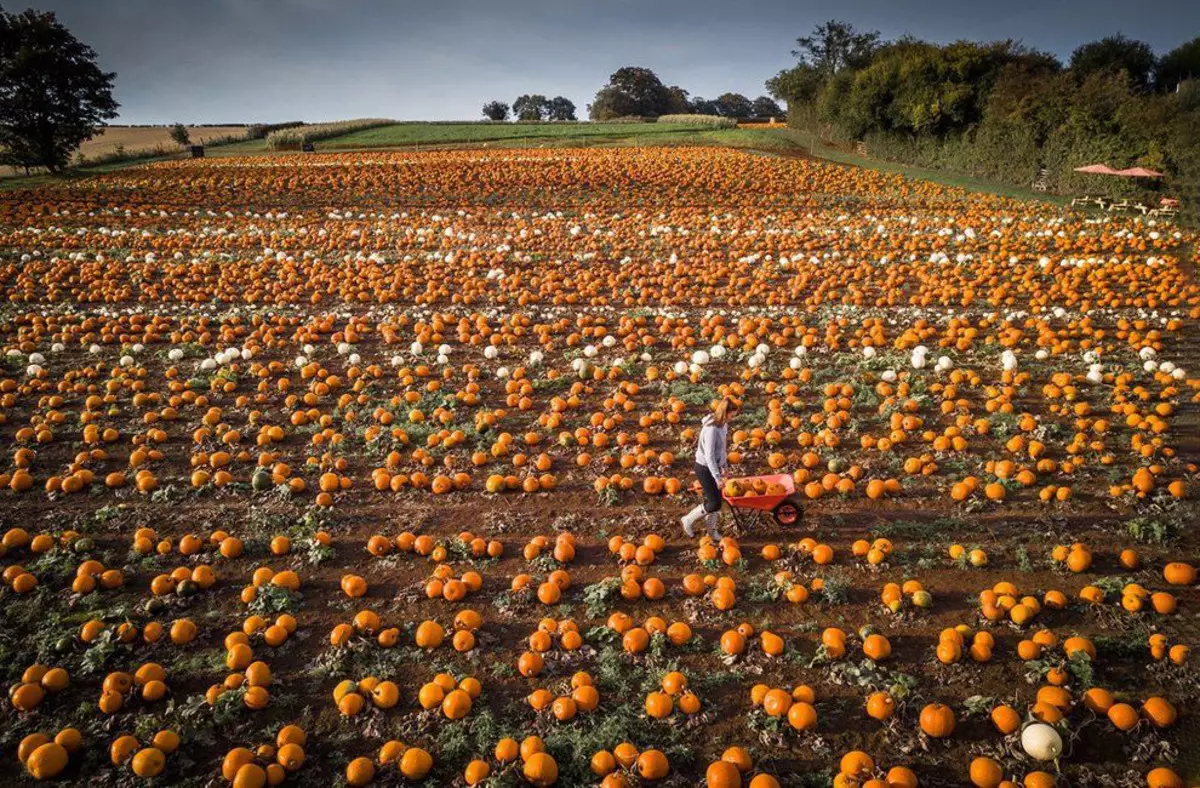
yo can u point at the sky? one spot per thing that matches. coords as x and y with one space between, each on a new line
241 61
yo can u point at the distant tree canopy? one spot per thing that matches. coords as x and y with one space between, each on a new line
734 105
678 102
530 107
999 109
698 105
637 91
560 108
1178 66
495 110
765 107
1113 54
534 107
53 96
835 46
631 90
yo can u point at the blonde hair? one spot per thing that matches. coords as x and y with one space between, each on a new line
724 409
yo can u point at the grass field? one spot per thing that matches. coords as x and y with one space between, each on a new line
471 133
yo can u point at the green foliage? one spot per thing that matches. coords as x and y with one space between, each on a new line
1178 65
835 46
916 88
631 90
800 84
1151 530
598 597
531 107
691 393
734 105
1113 55
765 107
560 108
495 110
273 600
1001 112
53 96
180 136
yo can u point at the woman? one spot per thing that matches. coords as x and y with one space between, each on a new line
711 458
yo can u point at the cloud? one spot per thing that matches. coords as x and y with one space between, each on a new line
228 60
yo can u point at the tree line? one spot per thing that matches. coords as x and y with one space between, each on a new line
634 91
531 108
638 91
1000 109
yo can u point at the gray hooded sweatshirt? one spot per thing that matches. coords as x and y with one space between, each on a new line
711 447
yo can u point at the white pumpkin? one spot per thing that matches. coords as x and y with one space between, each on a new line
1041 742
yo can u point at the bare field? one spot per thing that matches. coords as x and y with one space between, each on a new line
139 138
136 139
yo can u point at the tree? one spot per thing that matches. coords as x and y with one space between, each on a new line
765 107
495 110
180 136
530 107
916 88
836 45
1031 97
560 108
634 91
734 105
1179 65
702 106
799 84
1115 53
611 102
53 96
677 101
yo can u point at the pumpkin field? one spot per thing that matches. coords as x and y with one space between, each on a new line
366 468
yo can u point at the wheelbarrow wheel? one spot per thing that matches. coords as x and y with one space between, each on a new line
789 512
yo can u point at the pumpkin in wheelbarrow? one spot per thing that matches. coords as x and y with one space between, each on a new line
759 486
775 488
734 488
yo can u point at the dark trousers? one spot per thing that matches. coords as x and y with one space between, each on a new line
712 493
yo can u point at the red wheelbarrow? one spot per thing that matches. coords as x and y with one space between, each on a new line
785 507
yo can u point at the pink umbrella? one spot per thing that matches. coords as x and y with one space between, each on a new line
1097 169
1139 172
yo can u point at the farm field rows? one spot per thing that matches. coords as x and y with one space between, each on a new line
367 468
